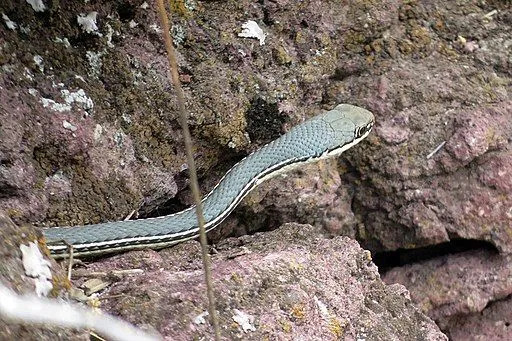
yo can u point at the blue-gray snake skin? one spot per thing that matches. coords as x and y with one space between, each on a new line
325 135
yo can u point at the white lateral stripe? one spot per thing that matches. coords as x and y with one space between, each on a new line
277 169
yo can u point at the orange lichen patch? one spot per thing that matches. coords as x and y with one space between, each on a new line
41 242
236 278
286 326
336 328
60 283
298 311
179 7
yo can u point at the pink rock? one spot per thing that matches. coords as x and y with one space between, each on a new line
293 282
456 285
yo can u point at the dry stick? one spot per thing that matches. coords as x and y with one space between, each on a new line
191 165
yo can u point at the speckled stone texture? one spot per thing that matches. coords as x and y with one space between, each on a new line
88 128
294 282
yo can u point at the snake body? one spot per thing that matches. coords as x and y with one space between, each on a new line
322 136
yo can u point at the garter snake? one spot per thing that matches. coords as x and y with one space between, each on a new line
326 135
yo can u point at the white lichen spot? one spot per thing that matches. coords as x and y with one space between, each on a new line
9 23
28 75
144 5
24 29
132 24
98 131
231 144
110 33
155 28
37 267
80 78
59 107
37 5
322 308
247 138
88 22
190 5
200 319
251 30
178 34
69 126
119 138
79 97
126 118
244 320
95 62
63 41
38 60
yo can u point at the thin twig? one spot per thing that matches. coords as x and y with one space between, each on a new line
70 264
191 165
129 216
432 153
112 272
32 309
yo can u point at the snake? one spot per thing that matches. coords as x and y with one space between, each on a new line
323 136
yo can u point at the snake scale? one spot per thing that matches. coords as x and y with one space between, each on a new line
326 135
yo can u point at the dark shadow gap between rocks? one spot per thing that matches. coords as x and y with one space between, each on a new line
387 260
183 198
491 303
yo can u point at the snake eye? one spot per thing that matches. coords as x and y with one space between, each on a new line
360 131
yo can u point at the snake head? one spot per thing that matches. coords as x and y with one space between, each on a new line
350 123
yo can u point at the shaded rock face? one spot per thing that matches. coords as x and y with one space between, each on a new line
293 283
88 128
467 294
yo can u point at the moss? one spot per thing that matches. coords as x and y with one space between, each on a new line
92 200
236 278
13 213
281 56
355 41
447 50
41 242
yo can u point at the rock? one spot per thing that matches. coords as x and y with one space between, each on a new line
492 323
313 194
411 201
13 275
291 283
120 151
452 286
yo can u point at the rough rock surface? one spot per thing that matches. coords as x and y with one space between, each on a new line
12 274
492 323
292 283
469 281
88 128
